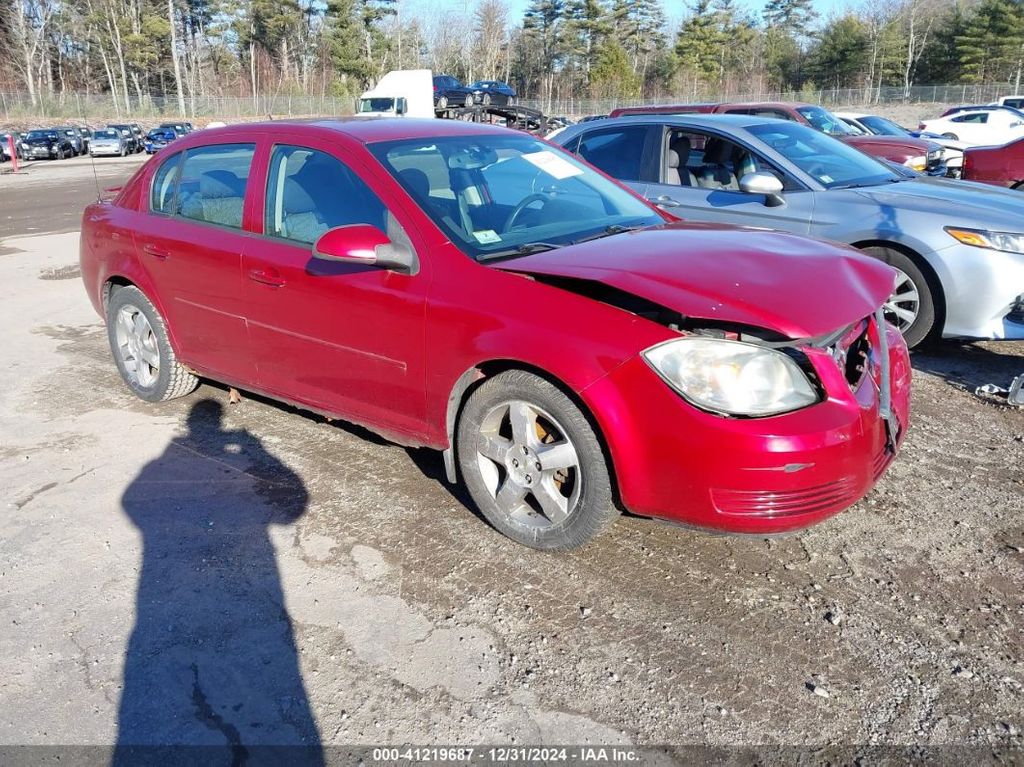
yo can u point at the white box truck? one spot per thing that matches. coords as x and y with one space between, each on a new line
400 93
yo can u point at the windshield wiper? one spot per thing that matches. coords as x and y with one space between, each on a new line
526 249
608 231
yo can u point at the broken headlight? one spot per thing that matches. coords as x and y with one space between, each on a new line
732 377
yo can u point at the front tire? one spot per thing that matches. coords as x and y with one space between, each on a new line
533 464
442 102
950 136
911 307
141 349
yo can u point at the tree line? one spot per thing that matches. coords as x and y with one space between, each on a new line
558 49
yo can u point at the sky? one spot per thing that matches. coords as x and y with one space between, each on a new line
675 10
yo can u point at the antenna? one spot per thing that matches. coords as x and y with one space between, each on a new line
95 175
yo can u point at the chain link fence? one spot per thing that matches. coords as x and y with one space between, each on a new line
94 107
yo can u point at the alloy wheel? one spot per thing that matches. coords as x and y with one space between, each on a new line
137 345
904 305
528 464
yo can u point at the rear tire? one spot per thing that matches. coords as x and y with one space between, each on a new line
533 464
911 282
442 102
141 349
486 99
950 136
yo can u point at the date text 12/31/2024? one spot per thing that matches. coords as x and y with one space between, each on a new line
507 754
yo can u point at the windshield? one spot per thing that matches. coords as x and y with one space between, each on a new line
825 121
42 134
380 104
831 163
494 194
160 135
105 134
882 127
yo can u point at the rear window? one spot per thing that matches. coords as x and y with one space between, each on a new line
212 184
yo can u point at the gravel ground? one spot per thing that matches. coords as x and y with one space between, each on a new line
209 573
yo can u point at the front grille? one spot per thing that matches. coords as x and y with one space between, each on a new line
832 496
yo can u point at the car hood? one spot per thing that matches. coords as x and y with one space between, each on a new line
879 144
959 203
797 286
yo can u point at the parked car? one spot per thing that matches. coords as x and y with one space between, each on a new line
74 134
48 144
476 290
86 134
1017 102
978 126
449 92
492 92
131 143
875 125
999 165
107 142
19 144
958 248
140 136
914 153
158 138
179 128
971 107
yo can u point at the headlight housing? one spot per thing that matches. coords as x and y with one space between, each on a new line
1007 242
732 377
918 163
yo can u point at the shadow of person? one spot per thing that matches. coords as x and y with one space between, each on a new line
211 662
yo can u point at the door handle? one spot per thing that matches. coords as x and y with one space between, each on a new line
155 251
269 277
664 201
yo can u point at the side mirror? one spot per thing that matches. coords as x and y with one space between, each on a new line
764 183
400 106
364 244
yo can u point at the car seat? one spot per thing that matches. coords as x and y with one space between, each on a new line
677 172
715 173
299 220
220 200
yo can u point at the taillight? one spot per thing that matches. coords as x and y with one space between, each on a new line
920 126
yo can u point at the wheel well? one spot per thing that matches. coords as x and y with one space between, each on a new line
114 283
934 284
469 381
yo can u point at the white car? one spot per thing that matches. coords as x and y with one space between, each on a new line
874 125
1017 102
975 127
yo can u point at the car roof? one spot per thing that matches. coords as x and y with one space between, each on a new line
691 118
364 129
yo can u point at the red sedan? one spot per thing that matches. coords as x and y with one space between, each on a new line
479 291
999 165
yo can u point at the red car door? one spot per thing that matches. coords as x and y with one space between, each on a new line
191 243
344 338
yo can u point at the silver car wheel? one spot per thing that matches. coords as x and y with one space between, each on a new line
137 345
528 464
903 306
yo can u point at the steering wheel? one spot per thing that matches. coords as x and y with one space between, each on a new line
523 204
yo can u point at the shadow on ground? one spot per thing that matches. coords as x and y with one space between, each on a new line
969 365
211 662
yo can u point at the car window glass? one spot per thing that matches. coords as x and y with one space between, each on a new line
619 153
976 117
212 186
162 195
713 162
309 192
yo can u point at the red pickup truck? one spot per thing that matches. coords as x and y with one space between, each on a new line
999 165
918 154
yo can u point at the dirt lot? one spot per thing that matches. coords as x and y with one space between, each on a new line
243 574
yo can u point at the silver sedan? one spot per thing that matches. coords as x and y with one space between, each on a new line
107 142
957 247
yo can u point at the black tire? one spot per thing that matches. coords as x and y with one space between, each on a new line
173 379
924 325
442 102
950 136
594 507
486 99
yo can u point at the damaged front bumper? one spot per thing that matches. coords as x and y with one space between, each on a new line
760 475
